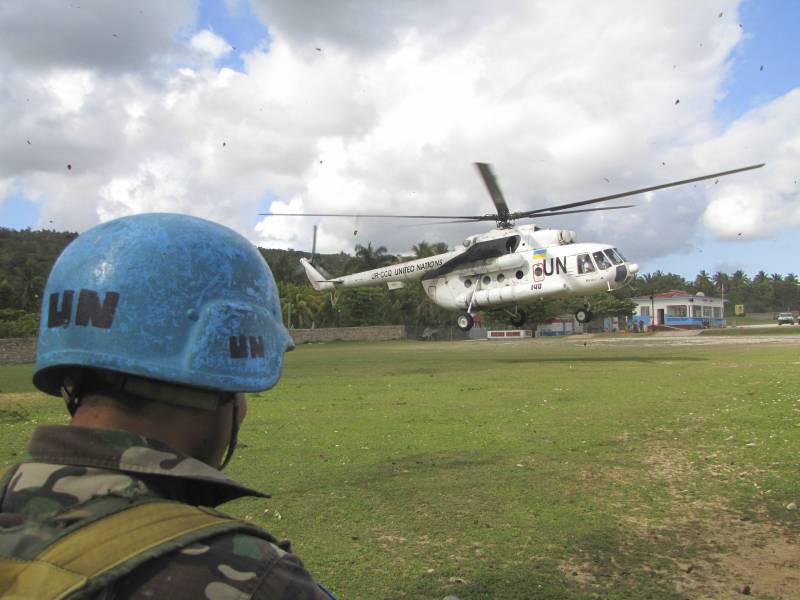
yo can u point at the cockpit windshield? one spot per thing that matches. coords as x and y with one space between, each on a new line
614 256
601 260
620 254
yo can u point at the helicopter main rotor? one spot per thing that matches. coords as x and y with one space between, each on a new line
504 217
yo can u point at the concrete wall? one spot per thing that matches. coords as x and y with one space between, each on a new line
17 350
23 350
330 334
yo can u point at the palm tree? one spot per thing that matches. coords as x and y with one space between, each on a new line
367 257
422 249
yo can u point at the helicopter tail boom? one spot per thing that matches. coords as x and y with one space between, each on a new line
318 281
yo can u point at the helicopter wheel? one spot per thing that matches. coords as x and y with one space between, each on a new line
464 321
518 319
583 315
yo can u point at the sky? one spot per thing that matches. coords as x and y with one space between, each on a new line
227 109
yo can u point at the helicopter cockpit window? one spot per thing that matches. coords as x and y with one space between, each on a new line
468 283
585 264
512 243
620 254
602 261
613 256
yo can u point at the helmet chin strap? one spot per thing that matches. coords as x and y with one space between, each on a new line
234 434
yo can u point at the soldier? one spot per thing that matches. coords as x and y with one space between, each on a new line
152 328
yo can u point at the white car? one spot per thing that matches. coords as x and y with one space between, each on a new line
785 318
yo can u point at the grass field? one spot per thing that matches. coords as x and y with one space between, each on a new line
739 331
530 469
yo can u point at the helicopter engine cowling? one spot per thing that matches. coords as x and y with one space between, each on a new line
553 237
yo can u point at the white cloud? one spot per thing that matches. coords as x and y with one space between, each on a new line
382 107
207 42
766 201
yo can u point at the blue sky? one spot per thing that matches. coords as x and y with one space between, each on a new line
771 27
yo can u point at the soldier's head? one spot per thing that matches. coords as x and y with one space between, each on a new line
161 314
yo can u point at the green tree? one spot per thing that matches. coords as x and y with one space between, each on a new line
367 257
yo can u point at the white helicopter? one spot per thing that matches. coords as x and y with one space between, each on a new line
509 266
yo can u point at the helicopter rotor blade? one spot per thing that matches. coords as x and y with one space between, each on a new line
572 212
373 216
538 212
490 181
513 216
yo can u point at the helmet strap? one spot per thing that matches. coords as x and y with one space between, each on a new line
70 390
234 435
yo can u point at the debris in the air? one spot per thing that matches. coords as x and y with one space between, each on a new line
716 181
355 232
606 179
678 101
224 144
740 233
69 167
663 163
701 44
29 142
719 16
740 25
761 68
320 162
113 35
319 49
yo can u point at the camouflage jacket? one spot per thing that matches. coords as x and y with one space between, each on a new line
70 465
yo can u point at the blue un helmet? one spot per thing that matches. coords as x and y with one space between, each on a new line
163 297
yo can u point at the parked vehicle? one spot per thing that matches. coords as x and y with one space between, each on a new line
785 318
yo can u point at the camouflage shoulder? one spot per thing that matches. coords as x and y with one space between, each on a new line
41 488
233 565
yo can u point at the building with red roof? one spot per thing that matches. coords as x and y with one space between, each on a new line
678 308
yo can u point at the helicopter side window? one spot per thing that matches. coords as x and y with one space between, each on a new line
512 243
585 264
613 256
602 261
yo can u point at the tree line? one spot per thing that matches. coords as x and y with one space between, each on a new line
27 256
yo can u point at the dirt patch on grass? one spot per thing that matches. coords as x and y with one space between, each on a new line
16 398
670 464
758 557
702 548
581 573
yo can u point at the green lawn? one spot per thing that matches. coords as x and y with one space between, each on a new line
529 469
738 331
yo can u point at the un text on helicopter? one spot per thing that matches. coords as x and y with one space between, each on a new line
509 266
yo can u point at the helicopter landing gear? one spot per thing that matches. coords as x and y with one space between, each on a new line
518 318
584 315
464 321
